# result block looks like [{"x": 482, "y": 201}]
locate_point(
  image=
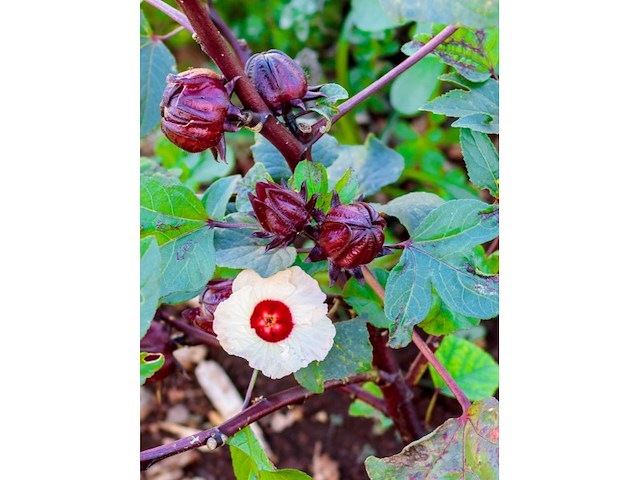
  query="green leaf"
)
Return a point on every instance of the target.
[
  {"x": 217, "y": 196},
  {"x": 369, "y": 16},
  {"x": 248, "y": 184},
  {"x": 149, "y": 282},
  {"x": 314, "y": 174},
  {"x": 470, "y": 13},
  {"x": 415, "y": 86},
  {"x": 156, "y": 62},
  {"x": 477, "y": 107},
  {"x": 360, "y": 409},
  {"x": 250, "y": 462},
  {"x": 236, "y": 248},
  {"x": 438, "y": 254},
  {"x": 441, "y": 320},
  {"x": 473, "y": 53},
  {"x": 411, "y": 208},
  {"x": 375, "y": 165},
  {"x": 195, "y": 169},
  {"x": 481, "y": 159},
  {"x": 334, "y": 92},
  {"x": 473, "y": 369},
  {"x": 346, "y": 187},
  {"x": 351, "y": 353},
  {"x": 324, "y": 151},
  {"x": 149, "y": 367},
  {"x": 365, "y": 302},
  {"x": 464, "y": 447},
  {"x": 177, "y": 219}
]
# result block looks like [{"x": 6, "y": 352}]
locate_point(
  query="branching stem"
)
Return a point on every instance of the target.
[
  {"x": 214, "y": 44},
  {"x": 236, "y": 423}
]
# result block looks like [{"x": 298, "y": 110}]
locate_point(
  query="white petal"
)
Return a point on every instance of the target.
[
  {"x": 312, "y": 342},
  {"x": 245, "y": 278}
]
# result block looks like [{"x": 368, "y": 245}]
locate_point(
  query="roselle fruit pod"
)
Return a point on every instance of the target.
[
  {"x": 280, "y": 81},
  {"x": 216, "y": 292},
  {"x": 158, "y": 340},
  {"x": 282, "y": 212},
  {"x": 194, "y": 109},
  {"x": 350, "y": 235}
]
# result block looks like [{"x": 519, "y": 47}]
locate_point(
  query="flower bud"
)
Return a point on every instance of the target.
[
  {"x": 280, "y": 81},
  {"x": 194, "y": 108},
  {"x": 158, "y": 340},
  {"x": 351, "y": 235},
  {"x": 216, "y": 292},
  {"x": 282, "y": 212}
]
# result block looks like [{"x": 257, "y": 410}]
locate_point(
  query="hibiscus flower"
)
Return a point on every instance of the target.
[{"x": 278, "y": 324}]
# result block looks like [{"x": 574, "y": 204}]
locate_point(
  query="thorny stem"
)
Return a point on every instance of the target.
[
  {"x": 171, "y": 12},
  {"x": 215, "y": 45},
  {"x": 252, "y": 383},
  {"x": 387, "y": 78},
  {"x": 242, "y": 51},
  {"x": 444, "y": 374},
  {"x": 261, "y": 408},
  {"x": 360, "y": 393}
]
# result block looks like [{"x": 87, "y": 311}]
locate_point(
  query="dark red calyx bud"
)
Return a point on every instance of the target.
[
  {"x": 158, "y": 340},
  {"x": 280, "y": 81},
  {"x": 216, "y": 292},
  {"x": 282, "y": 212},
  {"x": 194, "y": 107},
  {"x": 351, "y": 235}
]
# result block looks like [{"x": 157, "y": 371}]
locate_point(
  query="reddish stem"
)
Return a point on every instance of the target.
[
  {"x": 320, "y": 126},
  {"x": 242, "y": 51},
  {"x": 194, "y": 333},
  {"x": 397, "y": 395},
  {"x": 361, "y": 394},
  {"x": 444, "y": 374},
  {"x": 214, "y": 45},
  {"x": 420, "y": 363},
  {"x": 236, "y": 423}
]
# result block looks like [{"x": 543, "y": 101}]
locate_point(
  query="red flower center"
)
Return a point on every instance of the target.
[{"x": 271, "y": 319}]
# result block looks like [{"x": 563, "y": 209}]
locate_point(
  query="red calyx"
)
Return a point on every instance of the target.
[
  {"x": 280, "y": 81},
  {"x": 282, "y": 212},
  {"x": 194, "y": 109}
]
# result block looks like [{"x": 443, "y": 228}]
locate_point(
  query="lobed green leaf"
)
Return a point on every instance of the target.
[
  {"x": 477, "y": 107},
  {"x": 464, "y": 447}
]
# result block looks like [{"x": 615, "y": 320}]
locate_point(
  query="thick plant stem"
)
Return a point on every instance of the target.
[
  {"x": 215, "y": 45},
  {"x": 397, "y": 395},
  {"x": 236, "y": 423},
  {"x": 240, "y": 49},
  {"x": 446, "y": 376}
]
